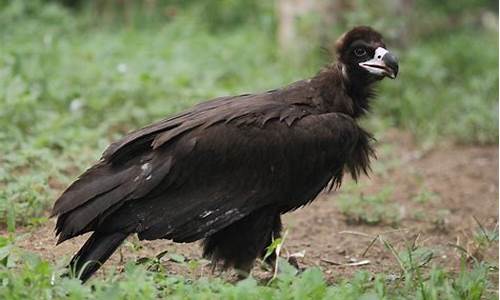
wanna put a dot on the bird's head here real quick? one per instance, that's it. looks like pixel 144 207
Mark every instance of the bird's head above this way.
pixel 363 55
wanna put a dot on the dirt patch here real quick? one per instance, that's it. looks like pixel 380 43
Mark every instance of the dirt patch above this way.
pixel 462 183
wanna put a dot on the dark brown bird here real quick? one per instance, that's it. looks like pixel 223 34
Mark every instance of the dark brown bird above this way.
pixel 227 169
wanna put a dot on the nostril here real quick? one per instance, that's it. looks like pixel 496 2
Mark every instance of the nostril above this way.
pixel 390 60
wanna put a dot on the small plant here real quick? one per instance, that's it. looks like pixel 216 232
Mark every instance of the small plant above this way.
pixel 155 263
pixel 55 121
pixel 370 209
pixel 440 220
pixel 484 237
pixel 281 265
pixel 34 278
pixel 425 196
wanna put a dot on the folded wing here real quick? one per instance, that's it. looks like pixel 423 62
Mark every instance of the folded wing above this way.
pixel 187 177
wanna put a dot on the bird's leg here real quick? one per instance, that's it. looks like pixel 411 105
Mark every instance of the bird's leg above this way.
pixel 294 262
pixel 215 269
pixel 243 269
pixel 271 260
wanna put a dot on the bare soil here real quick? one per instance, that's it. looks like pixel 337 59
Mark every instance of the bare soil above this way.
pixel 464 180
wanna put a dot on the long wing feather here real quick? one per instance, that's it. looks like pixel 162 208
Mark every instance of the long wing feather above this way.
pixel 189 176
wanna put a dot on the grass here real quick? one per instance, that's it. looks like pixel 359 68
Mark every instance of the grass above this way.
pixel 372 209
pixel 23 275
pixel 66 95
pixel 443 90
pixel 69 86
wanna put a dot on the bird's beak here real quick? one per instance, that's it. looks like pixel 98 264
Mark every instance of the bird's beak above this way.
pixel 383 63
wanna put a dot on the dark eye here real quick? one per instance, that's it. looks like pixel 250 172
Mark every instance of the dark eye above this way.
pixel 360 52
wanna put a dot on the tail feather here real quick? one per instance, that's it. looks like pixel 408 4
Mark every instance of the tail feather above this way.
pixel 94 253
pixel 77 221
pixel 99 179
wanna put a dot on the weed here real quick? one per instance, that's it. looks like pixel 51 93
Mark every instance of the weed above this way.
pixel 440 220
pixel 368 209
pixel 56 121
pixel 29 277
pixel 425 196
pixel 484 237
pixel 68 87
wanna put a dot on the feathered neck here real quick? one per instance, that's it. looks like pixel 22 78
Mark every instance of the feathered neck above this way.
pixel 347 91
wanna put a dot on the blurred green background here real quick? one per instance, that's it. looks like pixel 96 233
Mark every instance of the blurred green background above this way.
pixel 74 75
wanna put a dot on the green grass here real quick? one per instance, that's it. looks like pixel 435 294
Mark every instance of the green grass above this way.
pixel 372 209
pixel 448 87
pixel 69 86
pixel 68 89
pixel 24 275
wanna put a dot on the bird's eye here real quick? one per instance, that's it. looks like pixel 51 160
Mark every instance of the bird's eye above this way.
pixel 360 52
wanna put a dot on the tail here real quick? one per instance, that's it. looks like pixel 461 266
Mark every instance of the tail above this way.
pixel 94 253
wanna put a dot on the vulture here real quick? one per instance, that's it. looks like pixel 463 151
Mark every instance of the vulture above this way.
pixel 225 170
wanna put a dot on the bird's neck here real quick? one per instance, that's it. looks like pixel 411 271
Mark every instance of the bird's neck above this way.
pixel 344 91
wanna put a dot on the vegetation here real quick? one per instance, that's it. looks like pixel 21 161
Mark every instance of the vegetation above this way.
pixel 444 90
pixel 369 209
pixel 70 84
pixel 25 276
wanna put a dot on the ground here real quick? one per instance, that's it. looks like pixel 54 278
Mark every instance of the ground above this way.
pixel 438 199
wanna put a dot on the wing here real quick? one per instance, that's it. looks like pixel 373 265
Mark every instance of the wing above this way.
pixel 209 167
pixel 235 170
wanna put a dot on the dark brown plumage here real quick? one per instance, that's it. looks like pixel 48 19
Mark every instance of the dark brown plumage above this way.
pixel 225 170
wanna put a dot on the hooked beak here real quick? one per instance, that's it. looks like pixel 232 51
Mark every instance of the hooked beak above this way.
pixel 383 63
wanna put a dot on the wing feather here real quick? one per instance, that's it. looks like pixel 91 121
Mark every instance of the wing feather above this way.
pixel 230 174
pixel 99 179
pixel 191 175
